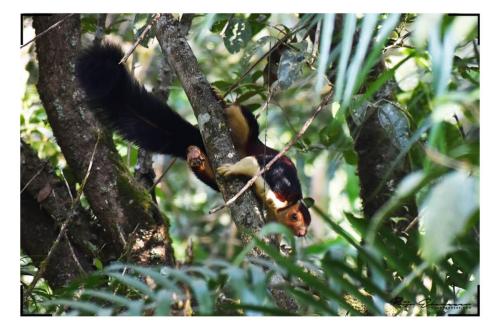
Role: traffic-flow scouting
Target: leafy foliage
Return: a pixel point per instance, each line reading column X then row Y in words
column 349, row 264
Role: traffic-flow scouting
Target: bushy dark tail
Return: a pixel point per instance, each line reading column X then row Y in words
column 124, row 105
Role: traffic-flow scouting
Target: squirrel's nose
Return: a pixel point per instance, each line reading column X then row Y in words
column 301, row 232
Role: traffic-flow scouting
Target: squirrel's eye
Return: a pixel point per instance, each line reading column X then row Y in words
column 293, row 217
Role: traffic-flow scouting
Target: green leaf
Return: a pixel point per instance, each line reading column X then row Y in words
column 237, row 34
column 395, row 125
column 409, row 184
column 446, row 211
column 136, row 308
column 322, row 247
column 324, row 50
column 290, row 67
column 258, row 308
column 140, row 24
column 131, row 282
column 163, row 302
column 311, row 280
column 88, row 23
column 199, row 288
column 219, row 23
column 221, row 84
column 350, row 157
column 258, row 22
column 108, row 296
column 347, row 36
column 363, row 43
column 308, row 202
column 255, row 48
column 332, row 133
column 374, row 55
column 243, row 97
column 312, row 301
column 157, row 276
column 202, row 294
column 97, row 263
column 80, row 306
column 351, row 289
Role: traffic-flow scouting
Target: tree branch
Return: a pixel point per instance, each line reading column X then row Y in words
column 48, row 29
column 141, row 37
column 216, row 137
column 245, row 212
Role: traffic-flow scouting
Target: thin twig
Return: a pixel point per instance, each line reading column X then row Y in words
column 53, row 26
column 476, row 51
column 67, row 184
column 250, row 182
column 411, row 225
column 31, row 180
column 399, row 42
column 317, row 33
column 460, row 127
column 128, row 245
column 240, row 79
column 73, row 254
column 62, row 230
column 155, row 183
column 141, row 37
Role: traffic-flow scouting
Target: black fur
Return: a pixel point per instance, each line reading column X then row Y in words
column 252, row 123
column 283, row 180
column 281, row 177
column 124, row 105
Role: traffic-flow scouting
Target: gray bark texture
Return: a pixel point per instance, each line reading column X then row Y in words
column 137, row 230
column 245, row 212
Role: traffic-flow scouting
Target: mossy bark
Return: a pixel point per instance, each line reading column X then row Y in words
column 136, row 229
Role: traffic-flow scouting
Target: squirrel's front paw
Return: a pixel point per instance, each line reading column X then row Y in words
column 195, row 158
column 224, row 169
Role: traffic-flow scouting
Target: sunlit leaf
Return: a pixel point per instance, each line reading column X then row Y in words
column 237, row 34
column 395, row 125
column 290, row 67
column 445, row 213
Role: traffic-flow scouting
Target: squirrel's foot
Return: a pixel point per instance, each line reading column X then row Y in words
column 196, row 159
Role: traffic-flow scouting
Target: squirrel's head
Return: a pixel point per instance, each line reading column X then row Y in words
column 296, row 217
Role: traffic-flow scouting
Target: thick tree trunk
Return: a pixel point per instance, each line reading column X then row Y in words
column 124, row 208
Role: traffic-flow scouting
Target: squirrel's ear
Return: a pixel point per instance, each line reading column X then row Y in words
column 308, row 202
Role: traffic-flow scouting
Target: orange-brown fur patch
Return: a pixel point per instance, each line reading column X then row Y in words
column 239, row 127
